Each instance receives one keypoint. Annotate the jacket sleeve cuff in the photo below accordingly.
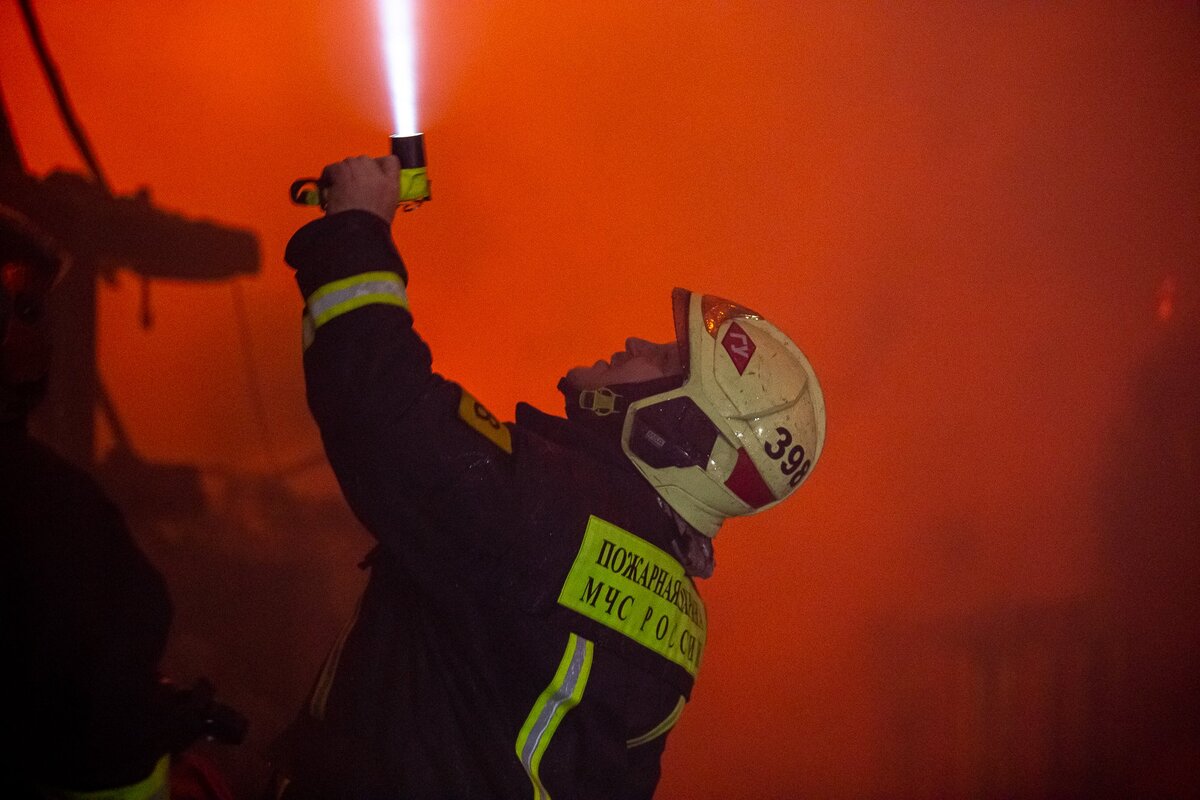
(340, 246)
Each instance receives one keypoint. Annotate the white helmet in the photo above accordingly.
(745, 428)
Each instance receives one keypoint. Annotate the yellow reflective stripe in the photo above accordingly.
(320, 695)
(564, 693)
(627, 584)
(659, 729)
(340, 296)
(153, 787)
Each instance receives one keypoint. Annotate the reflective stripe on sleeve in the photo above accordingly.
(370, 288)
(564, 693)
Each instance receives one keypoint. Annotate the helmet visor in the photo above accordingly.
(673, 433)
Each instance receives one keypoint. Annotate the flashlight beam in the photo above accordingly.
(398, 20)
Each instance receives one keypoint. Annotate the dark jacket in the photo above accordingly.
(85, 621)
(487, 657)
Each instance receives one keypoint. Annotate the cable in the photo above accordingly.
(256, 398)
(65, 110)
(79, 137)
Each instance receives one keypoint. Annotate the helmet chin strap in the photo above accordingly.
(601, 402)
(609, 403)
(603, 409)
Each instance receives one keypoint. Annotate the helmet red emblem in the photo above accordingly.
(739, 346)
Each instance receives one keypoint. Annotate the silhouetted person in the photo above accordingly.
(1151, 549)
(531, 627)
(85, 615)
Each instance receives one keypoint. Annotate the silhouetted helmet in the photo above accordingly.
(745, 428)
(30, 265)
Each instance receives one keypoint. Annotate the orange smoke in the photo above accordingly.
(954, 209)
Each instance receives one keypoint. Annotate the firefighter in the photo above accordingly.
(85, 615)
(531, 625)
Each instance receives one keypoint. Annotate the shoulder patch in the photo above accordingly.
(472, 412)
(627, 584)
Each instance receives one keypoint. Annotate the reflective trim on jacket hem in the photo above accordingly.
(564, 693)
(659, 729)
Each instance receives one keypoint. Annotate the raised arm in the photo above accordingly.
(420, 462)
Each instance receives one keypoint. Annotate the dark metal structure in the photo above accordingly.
(103, 232)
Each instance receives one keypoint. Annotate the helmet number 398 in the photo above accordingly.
(791, 461)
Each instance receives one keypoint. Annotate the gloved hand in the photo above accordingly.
(193, 714)
(362, 182)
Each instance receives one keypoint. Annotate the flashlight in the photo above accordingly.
(414, 182)
(413, 188)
